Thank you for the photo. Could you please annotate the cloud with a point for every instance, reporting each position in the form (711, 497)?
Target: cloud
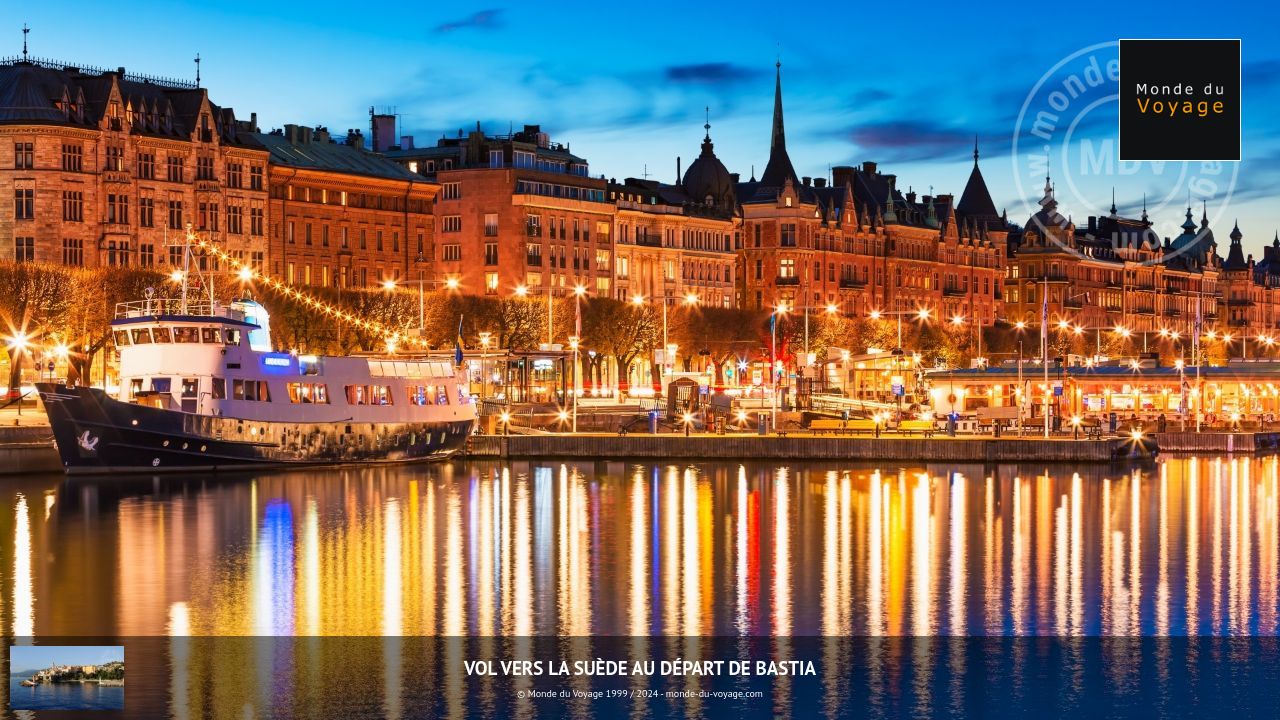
(1261, 73)
(907, 140)
(869, 96)
(710, 73)
(490, 19)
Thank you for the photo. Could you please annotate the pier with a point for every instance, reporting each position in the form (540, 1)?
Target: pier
(801, 447)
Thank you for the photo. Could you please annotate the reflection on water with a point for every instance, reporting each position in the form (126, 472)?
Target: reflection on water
(664, 556)
(1187, 546)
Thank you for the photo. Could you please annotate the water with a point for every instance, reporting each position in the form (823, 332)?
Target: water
(865, 571)
(64, 696)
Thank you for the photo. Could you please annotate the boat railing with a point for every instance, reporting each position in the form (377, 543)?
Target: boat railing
(174, 306)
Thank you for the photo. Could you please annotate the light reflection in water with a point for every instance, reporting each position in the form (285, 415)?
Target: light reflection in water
(1188, 545)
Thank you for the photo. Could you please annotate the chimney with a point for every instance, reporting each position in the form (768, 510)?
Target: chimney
(120, 71)
(384, 131)
(355, 138)
(819, 182)
(806, 180)
(911, 195)
(291, 132)
(735, 177)
(253, 121)
(406, 142)
(868, 167)
(678, 175)
(1093, 225)
(321, 134)
(841, 175)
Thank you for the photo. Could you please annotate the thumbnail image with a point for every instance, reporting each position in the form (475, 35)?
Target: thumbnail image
(66, 677)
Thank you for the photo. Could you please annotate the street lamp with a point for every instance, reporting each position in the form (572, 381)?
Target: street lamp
(485, 337)
(773, 360)
(573, 343)
(245, 274)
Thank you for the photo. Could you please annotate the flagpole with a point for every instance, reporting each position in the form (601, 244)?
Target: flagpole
(1044, 348)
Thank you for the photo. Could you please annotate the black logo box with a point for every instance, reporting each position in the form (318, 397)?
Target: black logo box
(1189, 66)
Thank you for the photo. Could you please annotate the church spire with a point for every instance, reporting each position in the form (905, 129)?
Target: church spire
(779, 168)
(975, 201)
(1113, 201)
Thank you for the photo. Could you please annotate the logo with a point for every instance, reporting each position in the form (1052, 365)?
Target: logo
(1067, 164)
(87, 442)
(1180, 100)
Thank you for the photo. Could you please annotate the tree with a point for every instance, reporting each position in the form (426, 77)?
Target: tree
(34, 299)
(623, 331)
(95, 294)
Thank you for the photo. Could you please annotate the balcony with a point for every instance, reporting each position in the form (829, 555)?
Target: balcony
(533, 230)
(534, 261)
(208, 186)
(116, 176)
(649, 241)
(788, 280)
(851, 283)
(1144, 311)
(1172, 312)
(953, 292)
(1239, 302)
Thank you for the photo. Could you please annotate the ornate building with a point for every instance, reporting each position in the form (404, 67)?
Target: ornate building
(108, 168)
(861, 245)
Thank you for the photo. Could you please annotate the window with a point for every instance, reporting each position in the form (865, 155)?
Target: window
(234, 220)
(491, 253)
(24, 154)
(495, 158)
(452, 224)
(186, 334)
(377, 239)
(175, 214)
(491, 225)
(534, 254)
(72, 251)
(306, 233)
(787, 268)
(452, 253)
(602, 260)
(369, 395)
(147, 212)
(72, 157)
(204, 167)
(256, 221)
(115, 158)
(146, 255)
(491, 283)
(308, 393)
(234, 175)
(251, 390)
(623, 268)
(147, 166)
(219, 388)
(72, 206)
(452, 191)
(788, 234)
(255, 177)
(118, 208)
(759, 269)
(24, 249)
(24, 204)
(173, 168)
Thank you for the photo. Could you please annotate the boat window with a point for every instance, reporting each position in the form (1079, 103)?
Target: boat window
(210, 335)
(190, 387)
(162, 334)
(141, 336)
(418, 394)
(122, 338)
(253, 390)
(231, 336)
(308, 393)
(368, 395)
(186, 334)
(219, 389)
(308, 365)
(135, 387)
(463, 398)
(442, 395)
(161, 384)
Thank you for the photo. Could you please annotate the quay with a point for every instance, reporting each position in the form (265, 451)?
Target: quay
(797, 446)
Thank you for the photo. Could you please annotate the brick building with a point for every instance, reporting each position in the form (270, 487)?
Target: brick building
(860, 244)
(515, 211)
(108, 167)
(343, 216)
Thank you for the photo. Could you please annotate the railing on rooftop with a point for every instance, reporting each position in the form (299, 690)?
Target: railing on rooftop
(52, 64)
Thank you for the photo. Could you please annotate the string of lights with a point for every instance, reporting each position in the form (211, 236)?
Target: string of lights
(247, 273)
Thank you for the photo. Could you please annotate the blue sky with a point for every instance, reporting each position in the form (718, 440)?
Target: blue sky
(38, 657)
(625, 85)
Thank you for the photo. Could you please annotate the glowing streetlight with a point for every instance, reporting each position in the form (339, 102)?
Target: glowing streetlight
(691, 299)
(522, 291)
(637, 300)
(389, 284)
(875, 315)
(923, 313)
(451, 283)
(957, 320)
(177, 276)
(1020, 325)
(19, 341)
(245, 274)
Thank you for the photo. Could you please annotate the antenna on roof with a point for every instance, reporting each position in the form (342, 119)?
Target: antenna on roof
(25, 31)
(646, 171)
(197, 69)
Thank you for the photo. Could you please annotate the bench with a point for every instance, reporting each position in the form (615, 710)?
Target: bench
(924, 427)
(842, 426)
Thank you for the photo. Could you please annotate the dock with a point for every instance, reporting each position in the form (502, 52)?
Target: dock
(1220, 442)
(802, 447)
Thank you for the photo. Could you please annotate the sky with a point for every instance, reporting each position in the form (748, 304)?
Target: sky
(39, 657)
(627, 86)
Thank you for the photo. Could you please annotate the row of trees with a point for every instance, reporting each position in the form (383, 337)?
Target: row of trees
(71, 308)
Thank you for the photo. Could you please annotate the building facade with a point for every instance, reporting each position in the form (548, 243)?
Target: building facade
(109, 168)
(342, 216)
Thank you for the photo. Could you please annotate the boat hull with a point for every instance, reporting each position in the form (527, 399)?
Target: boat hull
(98, 434)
